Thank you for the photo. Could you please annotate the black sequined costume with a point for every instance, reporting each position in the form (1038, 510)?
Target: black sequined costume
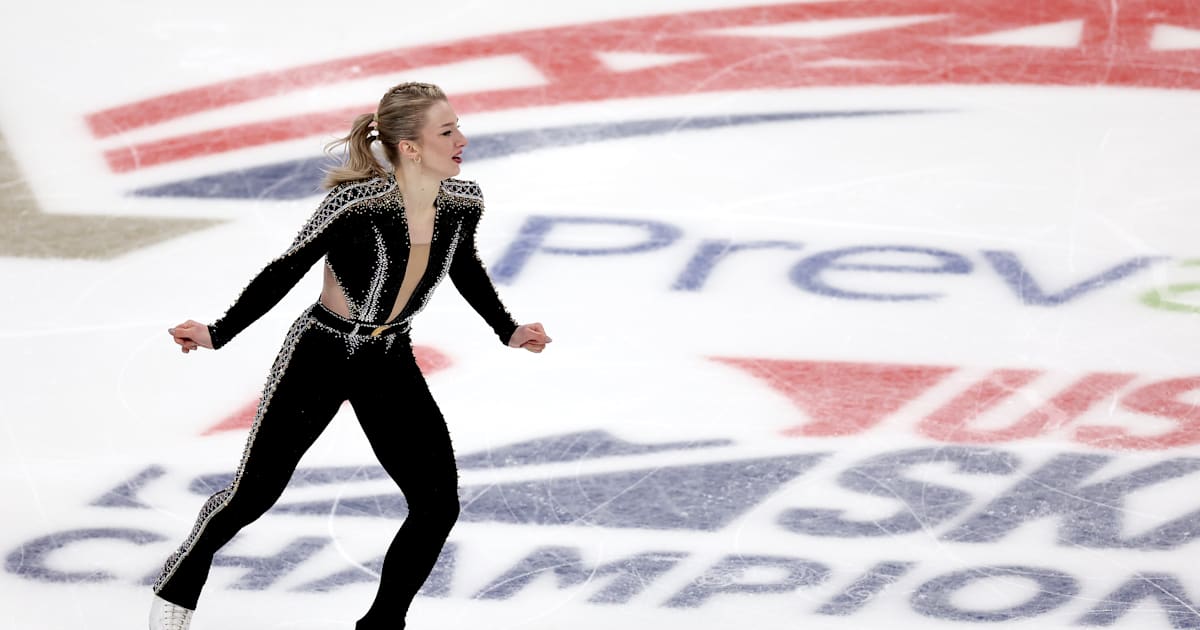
(362, 231)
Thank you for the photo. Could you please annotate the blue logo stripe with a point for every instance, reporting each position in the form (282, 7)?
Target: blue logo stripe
(302, 178)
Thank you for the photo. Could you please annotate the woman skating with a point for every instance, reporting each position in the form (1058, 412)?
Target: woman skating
(388, 236)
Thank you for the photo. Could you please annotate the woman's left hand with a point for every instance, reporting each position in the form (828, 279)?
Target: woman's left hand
(532, 337)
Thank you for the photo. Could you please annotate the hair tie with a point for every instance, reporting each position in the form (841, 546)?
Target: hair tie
(373, 126)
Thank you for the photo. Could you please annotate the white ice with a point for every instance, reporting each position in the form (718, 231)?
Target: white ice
(1071, 181)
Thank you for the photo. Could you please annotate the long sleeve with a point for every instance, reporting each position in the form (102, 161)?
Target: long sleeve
(471, 279)
(279, 276)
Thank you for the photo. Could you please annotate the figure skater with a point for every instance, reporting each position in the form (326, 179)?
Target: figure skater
(388, 237)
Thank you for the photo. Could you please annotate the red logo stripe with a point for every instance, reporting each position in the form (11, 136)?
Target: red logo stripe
(1114, 49)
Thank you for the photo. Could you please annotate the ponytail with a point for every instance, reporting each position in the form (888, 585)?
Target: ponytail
(360, 162)
(400, 116)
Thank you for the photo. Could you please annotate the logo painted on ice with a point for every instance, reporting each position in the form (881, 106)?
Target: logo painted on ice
(807, 44)
(813, 270)
(843, 398)
(840, 398)
(1078, 492)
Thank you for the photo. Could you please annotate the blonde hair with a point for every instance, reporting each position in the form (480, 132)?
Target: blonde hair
(400, 116)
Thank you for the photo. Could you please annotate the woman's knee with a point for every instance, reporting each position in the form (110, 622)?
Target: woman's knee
(453, 509)
(448, 509)
(440, 510)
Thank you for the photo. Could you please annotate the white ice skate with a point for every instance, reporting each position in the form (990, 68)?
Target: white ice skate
(167, 616)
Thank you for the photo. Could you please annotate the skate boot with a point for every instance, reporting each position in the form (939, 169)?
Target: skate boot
(167, 616)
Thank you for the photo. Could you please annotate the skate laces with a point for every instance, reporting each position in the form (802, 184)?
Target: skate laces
(175, 617)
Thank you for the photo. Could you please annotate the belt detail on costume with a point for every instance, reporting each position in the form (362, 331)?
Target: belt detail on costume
(343, 325)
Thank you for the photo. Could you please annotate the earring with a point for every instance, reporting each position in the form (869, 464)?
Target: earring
(417, 160)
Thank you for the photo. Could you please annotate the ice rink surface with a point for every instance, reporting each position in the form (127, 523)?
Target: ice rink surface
(867, 314)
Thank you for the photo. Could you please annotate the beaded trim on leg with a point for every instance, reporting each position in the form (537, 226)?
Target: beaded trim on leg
(218, 501)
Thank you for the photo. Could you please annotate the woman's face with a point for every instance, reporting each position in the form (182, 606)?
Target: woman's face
(441, 142)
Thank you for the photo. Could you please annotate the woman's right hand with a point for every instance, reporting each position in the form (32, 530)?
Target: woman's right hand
(191, 335)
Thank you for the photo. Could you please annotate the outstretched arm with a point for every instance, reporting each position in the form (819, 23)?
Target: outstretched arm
(272, 283)
(268, 287)
(470, 277)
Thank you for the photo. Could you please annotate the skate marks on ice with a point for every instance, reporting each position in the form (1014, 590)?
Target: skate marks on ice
(714, 487)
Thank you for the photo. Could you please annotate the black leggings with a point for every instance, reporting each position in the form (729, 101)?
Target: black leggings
(317, 369)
